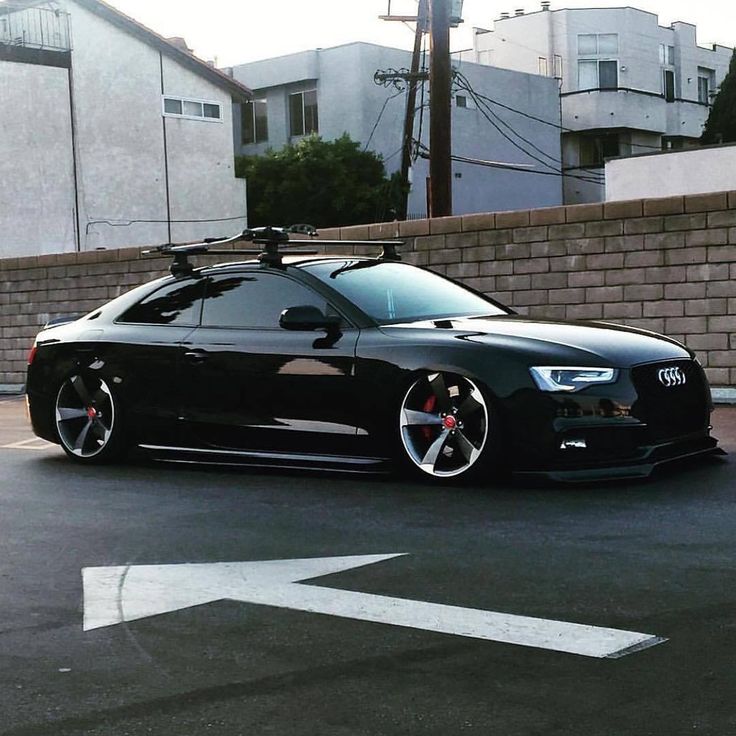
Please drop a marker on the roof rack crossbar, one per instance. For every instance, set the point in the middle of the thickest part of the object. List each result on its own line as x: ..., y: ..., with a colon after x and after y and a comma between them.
x: 273, y: 240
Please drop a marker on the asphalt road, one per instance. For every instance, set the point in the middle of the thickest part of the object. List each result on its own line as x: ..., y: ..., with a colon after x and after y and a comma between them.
x: 656, y: 557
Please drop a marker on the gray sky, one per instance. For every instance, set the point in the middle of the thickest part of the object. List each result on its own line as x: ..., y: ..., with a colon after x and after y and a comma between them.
x: 236, y: 31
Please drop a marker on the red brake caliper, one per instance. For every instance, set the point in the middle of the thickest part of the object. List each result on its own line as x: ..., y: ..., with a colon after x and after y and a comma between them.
x: 429, y: 406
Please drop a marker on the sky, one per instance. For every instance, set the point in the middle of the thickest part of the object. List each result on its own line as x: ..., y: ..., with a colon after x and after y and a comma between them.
x: 236, y: 31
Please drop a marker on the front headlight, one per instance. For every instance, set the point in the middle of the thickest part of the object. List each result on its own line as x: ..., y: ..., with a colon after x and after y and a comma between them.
x: 570, y: 379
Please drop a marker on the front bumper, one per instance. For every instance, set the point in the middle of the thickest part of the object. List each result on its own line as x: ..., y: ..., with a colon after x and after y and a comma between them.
x: 650, y: 459
x: 621, y: 430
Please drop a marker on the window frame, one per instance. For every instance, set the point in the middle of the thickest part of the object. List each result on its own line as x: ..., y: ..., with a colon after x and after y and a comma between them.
x: 598, y: 63
x: 195, y: 100
x: 259, y: 271
x: 302, y: 93
x: 120, y: 319
x: 707, y: 76
x: 253, y: 104
x: 597, y: 52
x: 665, y: 86
x: 597, y: 143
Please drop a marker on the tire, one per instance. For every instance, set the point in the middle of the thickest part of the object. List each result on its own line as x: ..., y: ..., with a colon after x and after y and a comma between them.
x: 88, y: 421
x: 445, y: 428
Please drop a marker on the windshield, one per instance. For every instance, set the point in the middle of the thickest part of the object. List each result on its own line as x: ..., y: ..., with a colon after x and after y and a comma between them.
x: 397, y: 292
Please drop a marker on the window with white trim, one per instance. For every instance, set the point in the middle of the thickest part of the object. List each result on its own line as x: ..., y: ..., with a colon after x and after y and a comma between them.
x: 597, y: 62
x: 706, y: 82
x: 597, y: 74
x: 666, y: 55
x: 184, y: 107
x: 303, y: 118
x: 597, y: 44
x: 254, y: 118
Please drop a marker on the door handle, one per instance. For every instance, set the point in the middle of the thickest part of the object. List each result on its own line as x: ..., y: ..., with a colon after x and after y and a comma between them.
x: 196, y: 356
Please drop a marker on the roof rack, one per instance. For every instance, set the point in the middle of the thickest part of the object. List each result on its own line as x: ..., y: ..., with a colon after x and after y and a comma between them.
x: 273, y: 241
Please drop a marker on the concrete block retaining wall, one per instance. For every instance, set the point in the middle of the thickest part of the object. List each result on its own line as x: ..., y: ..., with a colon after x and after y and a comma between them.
x: 667, y: 265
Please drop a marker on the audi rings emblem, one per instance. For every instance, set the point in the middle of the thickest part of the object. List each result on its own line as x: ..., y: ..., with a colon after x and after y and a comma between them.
x: 672, y: 376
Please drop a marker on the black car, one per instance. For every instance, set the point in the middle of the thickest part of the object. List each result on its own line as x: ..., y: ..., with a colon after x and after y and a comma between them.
x: 358, y: 364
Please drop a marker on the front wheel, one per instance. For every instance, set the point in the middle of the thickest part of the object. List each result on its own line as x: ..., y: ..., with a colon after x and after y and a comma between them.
x: 444, y: 425
x: 88, y: 420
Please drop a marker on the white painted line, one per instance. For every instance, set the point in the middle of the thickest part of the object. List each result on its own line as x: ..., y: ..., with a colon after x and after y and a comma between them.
x: 35, y: 443
x: 113, y: 595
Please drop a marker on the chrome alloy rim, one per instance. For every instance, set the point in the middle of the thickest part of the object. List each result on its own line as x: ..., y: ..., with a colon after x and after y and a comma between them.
x: 85, y: 415
x: 444, y: 424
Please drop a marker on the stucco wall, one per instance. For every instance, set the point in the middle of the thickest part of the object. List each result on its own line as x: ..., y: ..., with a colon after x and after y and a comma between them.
x: 122, y: 166
x: 667, y: 265
x: 36, y: 169
x: 690, y: 171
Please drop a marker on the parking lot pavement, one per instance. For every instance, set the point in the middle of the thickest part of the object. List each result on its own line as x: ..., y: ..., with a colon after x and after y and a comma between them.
x: 15, y: 428
x: 196, y: 639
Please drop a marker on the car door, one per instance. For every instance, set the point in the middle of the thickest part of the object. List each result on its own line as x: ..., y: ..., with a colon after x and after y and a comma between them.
x: 143, y: 354
x: 252, y: 385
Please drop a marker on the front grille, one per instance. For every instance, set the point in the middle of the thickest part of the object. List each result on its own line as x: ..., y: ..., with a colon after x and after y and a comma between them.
x: 671, y: 411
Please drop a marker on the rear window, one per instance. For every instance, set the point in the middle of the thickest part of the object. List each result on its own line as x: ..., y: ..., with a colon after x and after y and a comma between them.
x: 176, y: 304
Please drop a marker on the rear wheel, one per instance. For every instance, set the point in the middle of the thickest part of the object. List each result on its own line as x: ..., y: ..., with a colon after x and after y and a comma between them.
x: 88, y: 420
x: 444, y: 425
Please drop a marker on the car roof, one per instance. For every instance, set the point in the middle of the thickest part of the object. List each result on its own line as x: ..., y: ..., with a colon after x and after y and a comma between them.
x: 288, y: 260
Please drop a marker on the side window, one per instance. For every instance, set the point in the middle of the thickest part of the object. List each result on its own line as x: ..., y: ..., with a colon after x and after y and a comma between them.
x: 175, y: 304
x: 254, y: 300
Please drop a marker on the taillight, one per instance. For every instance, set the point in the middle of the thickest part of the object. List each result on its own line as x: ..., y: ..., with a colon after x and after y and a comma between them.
x: 32, y: 355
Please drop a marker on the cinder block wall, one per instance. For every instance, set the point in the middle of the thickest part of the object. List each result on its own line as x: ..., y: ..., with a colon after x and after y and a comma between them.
x: 667, y: 265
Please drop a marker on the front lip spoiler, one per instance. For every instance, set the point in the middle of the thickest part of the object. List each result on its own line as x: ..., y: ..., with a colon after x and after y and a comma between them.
x: 623, y: 472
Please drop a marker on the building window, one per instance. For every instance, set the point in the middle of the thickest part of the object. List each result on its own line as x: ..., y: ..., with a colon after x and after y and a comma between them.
x: 668, y: 85
x: 465, y: 102
x: 706, y: 79
x: 597, y: 44
x: 666, y: 55
x: 557, y: 64
x: 595, y: 149
x: 595, y: 74
x: 254, y: 118
x: 303, y: 113
x: 542, y: 65
x: 182, y: 107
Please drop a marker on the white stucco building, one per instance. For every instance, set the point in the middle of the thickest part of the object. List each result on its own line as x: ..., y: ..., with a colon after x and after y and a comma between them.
x: 628, y: 85
x: 332, y: 91
x: 110, y: 135
x: 672, y: 173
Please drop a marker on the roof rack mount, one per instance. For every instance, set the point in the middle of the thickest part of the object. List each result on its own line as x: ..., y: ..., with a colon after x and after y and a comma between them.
x: 273, y: 240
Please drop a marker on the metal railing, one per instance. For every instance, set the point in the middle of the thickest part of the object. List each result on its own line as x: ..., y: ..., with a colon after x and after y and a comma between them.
x: 38, y: 28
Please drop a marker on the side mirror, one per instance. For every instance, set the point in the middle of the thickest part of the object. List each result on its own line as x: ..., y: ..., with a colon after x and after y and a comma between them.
x: 307, y: 319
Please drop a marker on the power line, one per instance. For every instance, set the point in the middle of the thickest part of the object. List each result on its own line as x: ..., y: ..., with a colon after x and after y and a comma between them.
x: 484, y: 111
x: 380, y: 116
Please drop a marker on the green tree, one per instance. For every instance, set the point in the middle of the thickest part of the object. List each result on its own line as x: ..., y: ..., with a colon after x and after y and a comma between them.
x: 721, y: 124
x: 326, y: 184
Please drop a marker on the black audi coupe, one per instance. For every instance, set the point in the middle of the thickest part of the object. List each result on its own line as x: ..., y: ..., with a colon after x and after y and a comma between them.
x: 360, y: 364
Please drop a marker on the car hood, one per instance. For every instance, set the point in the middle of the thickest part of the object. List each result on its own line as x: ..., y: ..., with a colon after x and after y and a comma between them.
x: 599, y: 343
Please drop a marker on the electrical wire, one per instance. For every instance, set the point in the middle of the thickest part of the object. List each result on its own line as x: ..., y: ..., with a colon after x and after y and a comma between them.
x: 421, y: 98
x: 556, y: 161
x: 128, y: 223
x: 483, y: 109
x: 380, y: 116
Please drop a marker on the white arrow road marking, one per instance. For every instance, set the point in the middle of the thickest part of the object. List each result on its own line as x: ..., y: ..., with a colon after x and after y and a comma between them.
x: 35, y: 443
x: 116, y: 594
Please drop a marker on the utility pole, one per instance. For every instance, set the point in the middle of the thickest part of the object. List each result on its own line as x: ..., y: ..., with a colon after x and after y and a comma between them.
x: 440, y: 128
x: 411, y: 104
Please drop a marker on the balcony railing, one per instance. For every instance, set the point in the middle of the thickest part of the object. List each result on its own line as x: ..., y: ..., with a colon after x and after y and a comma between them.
x: 37, y: 28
